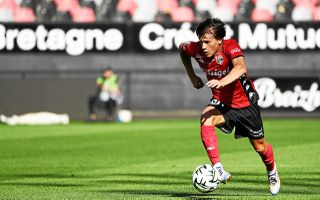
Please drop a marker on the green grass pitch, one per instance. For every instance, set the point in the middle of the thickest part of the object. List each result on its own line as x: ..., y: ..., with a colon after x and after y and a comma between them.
x: 151, y: 159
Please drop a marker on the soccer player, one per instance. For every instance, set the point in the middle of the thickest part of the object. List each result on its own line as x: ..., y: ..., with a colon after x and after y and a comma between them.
x: 234, y: 98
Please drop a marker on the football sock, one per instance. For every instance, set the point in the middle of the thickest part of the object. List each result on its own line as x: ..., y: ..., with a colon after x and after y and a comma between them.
x: 267, y: 157
x: 218, y: 164
x: 271, y: 172
x: 210, y: 143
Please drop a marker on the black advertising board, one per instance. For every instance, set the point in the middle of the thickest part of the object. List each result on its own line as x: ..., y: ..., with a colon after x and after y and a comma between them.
x: 290, y: 94
x: 76, y: 39
x: 72, y: 39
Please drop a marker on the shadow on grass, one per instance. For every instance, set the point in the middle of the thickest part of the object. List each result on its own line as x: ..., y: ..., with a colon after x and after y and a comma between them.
x: 184, y: 176
x: 243, y: 184
x: 33, y: 180
x: 41, y: 184
x: 185, y: 195
x: 40, y: 175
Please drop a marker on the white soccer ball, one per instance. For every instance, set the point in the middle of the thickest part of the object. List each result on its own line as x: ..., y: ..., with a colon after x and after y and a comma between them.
x: 124, y: 116
x: 205, y: 178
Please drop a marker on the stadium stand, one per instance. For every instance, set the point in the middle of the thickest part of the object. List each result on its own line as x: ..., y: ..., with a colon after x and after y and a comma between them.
x: 205, y: 7
x: 146, y: 11
x: 24, y: 15
x: 84, y: 11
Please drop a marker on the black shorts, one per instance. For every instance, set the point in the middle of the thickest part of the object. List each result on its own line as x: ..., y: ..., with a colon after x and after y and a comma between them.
x: 247, y: 121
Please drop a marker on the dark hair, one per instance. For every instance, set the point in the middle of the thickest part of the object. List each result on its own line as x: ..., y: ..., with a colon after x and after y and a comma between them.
x: 106, y: 68
x: 214, y: 25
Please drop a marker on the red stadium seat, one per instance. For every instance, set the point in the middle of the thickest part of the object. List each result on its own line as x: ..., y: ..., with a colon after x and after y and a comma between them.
x: 182, y: 14
x: 261, y: 15
x: 167, y: 5
x: 129, y: 6
x: 139, y: 11
x: 83, y: 15
x: 232, y: 5
x: 67, y: 5
x: 8, y: 4
x: 316, y: 14
x: 304, y: 3
x: 236, y: 2
x: 24, y: 15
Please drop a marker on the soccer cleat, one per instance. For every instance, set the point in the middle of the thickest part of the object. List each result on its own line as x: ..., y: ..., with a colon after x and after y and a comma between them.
x: 274, y: 182
x: 224, y: 176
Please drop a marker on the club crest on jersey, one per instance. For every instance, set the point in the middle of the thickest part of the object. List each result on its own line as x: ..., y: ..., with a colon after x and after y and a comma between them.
x: 219, y: 59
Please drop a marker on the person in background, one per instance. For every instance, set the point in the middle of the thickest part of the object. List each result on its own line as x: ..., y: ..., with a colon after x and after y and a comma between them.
x: 234, y: 102
x: 108, y: 95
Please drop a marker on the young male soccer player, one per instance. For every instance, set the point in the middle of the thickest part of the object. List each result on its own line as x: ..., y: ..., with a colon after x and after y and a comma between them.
x: 234, y: 98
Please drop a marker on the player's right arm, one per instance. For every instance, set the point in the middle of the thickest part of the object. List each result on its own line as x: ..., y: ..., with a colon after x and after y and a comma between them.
x: 99, y: 82
x: 186, y: 60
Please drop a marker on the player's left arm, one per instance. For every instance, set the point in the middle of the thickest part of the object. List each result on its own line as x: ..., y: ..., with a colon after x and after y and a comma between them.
x: 239, y: 68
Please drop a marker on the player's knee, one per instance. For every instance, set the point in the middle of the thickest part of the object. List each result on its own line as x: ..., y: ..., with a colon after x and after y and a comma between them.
x: 210, y: 117
x: 259, y: 145
x: 260, y: 148
x: 210, y: 121
x: 206, y: 120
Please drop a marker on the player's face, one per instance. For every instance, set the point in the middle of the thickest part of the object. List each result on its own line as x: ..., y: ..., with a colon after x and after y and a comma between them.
x: 210, y: 44
x: 107, y: 74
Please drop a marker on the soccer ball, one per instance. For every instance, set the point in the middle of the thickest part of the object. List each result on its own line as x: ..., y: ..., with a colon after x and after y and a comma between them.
x: 124, y: 116
x: 205, y: 178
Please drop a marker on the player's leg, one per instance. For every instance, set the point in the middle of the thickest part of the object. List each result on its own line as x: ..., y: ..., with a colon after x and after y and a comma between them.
x: 265, y: 151
x: 112, y: 109
x: 210, y: 118
x: 91, y: 104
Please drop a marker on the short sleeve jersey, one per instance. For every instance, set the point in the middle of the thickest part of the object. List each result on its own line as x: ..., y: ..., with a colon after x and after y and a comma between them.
x: 238, y: 94
x: 110, y: 83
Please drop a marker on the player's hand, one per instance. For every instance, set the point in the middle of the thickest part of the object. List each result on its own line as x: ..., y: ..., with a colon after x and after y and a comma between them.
x: 214, y: 84
x: 197, y: 82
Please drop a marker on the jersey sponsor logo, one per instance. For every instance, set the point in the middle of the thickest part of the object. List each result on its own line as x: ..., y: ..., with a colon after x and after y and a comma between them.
x: 235, y: 50
x: 217, y: 73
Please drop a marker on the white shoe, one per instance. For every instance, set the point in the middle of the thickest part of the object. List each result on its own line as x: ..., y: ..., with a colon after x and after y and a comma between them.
x: 274, y: 182
x: 224, y: 176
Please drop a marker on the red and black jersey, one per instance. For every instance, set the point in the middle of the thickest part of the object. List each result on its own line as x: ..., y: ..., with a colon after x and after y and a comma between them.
x: 240, y: 93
